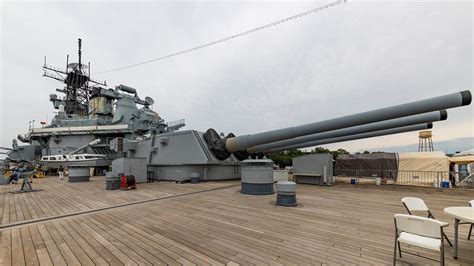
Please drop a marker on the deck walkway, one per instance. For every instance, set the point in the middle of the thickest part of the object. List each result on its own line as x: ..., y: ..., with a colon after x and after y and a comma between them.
x: 211, y: 223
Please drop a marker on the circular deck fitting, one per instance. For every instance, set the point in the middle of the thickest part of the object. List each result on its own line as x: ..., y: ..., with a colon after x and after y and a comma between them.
x: 286, y: 193
x: 285, y: 186
x: 78, y: 173
x: 286, y: 200
x: 256, y: 189
x: 257, y: 177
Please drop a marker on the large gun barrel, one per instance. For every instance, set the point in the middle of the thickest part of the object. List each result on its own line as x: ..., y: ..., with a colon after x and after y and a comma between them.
x: 222, y: 148
x: 354, y: 137
x: 392, y: 123
x: 433, y: 104
x: 92, y: 143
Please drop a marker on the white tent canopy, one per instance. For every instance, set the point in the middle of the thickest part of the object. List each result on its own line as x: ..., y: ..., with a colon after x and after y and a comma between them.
x: 465, y: 153
x: 462, y: 159
x: 423, y: 161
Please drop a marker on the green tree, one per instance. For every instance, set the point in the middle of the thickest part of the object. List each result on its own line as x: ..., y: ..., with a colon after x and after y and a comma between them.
x: 285, y: 158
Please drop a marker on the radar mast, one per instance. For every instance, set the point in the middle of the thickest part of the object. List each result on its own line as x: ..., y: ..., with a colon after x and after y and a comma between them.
x: 77, y: 90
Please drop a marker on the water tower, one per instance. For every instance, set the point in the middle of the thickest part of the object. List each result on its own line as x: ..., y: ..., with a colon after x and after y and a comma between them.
x: 425, y: 141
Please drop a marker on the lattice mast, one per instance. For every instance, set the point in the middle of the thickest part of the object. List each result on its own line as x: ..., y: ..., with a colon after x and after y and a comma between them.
x: 77, y: 80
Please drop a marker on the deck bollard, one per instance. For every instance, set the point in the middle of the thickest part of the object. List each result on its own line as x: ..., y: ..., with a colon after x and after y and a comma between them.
x: 286, y: 193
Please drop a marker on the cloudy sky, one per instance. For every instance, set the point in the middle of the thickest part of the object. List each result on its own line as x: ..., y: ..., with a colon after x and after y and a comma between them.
x: 346, y: 59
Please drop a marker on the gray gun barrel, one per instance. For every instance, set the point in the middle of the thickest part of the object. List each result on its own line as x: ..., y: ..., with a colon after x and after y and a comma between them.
x: 393, y: 123
x: 355, y: 137
x: 240, y: 143
x: 96, y: 141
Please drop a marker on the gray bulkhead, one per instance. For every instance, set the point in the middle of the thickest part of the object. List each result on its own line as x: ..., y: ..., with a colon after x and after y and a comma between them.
x: 67, y: 143
x: 174, y: 156
x: 313, y: 169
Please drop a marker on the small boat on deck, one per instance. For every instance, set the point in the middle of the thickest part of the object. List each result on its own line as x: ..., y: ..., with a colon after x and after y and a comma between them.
x: 92, y: 160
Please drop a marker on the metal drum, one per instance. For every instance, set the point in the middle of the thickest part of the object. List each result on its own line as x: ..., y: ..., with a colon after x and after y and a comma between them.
x: 257, y: 177
x: 286, y: 193
x: 78, y: 173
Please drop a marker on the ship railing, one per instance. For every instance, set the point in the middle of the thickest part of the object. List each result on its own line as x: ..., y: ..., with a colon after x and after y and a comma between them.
x: 406, y: 177
x: 175, y: 125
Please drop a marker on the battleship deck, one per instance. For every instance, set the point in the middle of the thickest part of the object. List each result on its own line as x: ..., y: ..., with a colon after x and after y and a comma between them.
x: 211, y: 223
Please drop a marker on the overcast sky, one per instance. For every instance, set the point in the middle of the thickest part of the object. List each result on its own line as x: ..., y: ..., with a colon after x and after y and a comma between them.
x: 346, y: 59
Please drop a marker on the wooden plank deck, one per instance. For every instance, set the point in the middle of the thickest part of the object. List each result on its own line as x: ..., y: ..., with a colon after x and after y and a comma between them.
x: 62, y: 197
x: 212, y: 224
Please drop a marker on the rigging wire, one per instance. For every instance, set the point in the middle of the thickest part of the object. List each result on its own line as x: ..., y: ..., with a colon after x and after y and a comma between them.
x: 272, y: 24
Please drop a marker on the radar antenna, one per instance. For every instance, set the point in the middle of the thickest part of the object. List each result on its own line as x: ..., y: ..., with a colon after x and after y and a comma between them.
x: 77, y: 80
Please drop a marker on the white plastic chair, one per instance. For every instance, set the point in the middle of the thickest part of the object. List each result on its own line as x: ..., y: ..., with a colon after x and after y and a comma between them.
x: 413, y: 204
x: 418, y: 231
x: 471, y: 203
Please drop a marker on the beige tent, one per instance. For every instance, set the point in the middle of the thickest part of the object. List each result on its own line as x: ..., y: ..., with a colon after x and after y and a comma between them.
x: 467, y: 159
x: 423, y: 161
x: 422, y: 168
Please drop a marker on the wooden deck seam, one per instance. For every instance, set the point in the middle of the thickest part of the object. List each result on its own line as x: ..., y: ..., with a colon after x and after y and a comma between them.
x: 33, y: 221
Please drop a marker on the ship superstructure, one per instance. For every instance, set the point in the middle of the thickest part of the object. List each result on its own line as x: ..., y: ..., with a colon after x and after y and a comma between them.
x: 87, y: 110
x: 124, y: 127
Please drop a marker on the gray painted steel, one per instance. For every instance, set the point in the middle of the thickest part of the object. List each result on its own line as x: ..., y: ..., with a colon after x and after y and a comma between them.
x: 257, y: 177
x: 25, y: 152
x: 126, y: 89
x: 208, y: 172
x: 256, y: 189
x: 428, y: 105
x: 286, y: 193
x: 194, y: 177
x: 177, y: 148
x: 96, y: 141
x: 78, y: 173
x: 286, y: 187
x: 131, y: 166
x: 393, y: 123
x: 286, y: 200
x: 69, y: 132
x: 175, y: 156
x: 354, y: 137
x: 316, y: 169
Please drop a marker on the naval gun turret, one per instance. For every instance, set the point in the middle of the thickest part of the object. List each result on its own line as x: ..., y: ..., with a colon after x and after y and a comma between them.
x: 179, y: 155
x: 419, y: 112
